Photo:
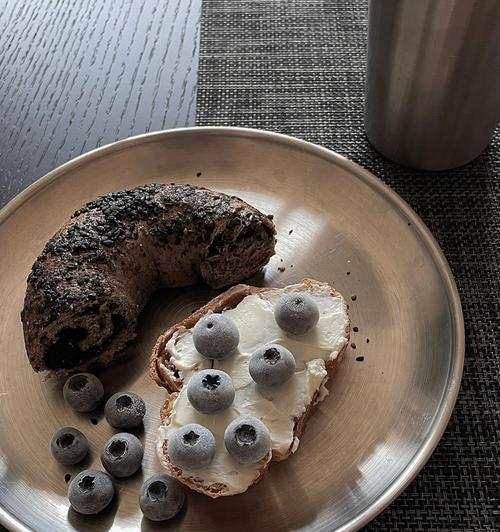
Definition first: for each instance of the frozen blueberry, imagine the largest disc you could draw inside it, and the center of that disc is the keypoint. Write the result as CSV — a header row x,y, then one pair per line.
x,y
210,391
247,439
191,447
90,491
296,313
83,392
271,364
216,336
124,410
69,446
161,497
122,455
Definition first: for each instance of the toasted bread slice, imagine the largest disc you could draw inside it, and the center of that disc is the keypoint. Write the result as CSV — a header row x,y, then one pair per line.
x,y
285,409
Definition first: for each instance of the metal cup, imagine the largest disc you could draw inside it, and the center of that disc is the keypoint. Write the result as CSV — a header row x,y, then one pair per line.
x,y
433,80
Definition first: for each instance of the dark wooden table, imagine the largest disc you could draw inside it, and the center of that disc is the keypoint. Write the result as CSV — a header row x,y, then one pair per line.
x,y
78,74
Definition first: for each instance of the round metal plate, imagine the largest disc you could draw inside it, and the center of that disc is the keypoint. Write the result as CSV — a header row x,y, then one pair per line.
x,y
389,403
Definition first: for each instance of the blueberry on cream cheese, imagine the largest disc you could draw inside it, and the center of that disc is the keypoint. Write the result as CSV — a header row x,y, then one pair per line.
x,y
271,364
210,391
216,336
296,313
191,447
247,440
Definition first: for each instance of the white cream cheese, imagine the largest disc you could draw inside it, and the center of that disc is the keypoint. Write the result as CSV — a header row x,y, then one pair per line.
x,y
278,406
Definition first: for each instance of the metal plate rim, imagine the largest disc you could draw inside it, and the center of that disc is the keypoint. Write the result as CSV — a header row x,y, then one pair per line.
x,y
448,401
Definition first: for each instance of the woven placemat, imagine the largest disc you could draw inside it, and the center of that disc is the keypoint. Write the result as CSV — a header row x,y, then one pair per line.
x,y
297,67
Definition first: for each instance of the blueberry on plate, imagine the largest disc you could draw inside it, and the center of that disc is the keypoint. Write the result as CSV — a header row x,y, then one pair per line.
x,y
83,392
161,497
210,391
124,410
191,447
122,455
296,313
90,491
247,440
216,336
69,446
271,364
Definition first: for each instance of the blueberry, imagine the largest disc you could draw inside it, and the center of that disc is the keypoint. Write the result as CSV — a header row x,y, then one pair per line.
x,y
69,446
124,410
216,336
83,392
191,447
90,491
210,391
161,497
296,313
247,439
122,455
271,364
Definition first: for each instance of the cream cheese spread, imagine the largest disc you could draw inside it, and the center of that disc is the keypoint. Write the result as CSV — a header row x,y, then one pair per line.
x,y
278,406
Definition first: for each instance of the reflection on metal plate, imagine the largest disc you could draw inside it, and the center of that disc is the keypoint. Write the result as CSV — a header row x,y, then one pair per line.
x,y
389,403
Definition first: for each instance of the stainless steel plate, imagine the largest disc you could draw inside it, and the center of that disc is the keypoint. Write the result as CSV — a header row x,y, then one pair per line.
x,y
337,223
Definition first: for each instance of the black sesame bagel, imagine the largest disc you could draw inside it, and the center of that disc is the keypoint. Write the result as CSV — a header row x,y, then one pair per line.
x,y
87,288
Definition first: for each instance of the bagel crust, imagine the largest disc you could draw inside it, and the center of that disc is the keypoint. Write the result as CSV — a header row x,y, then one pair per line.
x,y
88,286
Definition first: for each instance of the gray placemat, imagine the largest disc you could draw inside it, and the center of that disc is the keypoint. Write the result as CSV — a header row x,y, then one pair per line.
x,y
297,67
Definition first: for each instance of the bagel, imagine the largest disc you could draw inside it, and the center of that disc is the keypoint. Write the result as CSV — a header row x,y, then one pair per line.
x,y
88,286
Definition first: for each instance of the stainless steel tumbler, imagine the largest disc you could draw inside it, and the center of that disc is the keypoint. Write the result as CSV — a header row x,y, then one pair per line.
x,y
433,80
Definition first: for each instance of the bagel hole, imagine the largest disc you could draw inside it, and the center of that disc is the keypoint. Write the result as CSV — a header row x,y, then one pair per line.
x,y
190,438
157,490
245,435
65,441
210,382
118,448
124,401
87,483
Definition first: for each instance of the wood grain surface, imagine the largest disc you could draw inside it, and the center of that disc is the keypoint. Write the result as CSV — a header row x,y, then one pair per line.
x,y
78,74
